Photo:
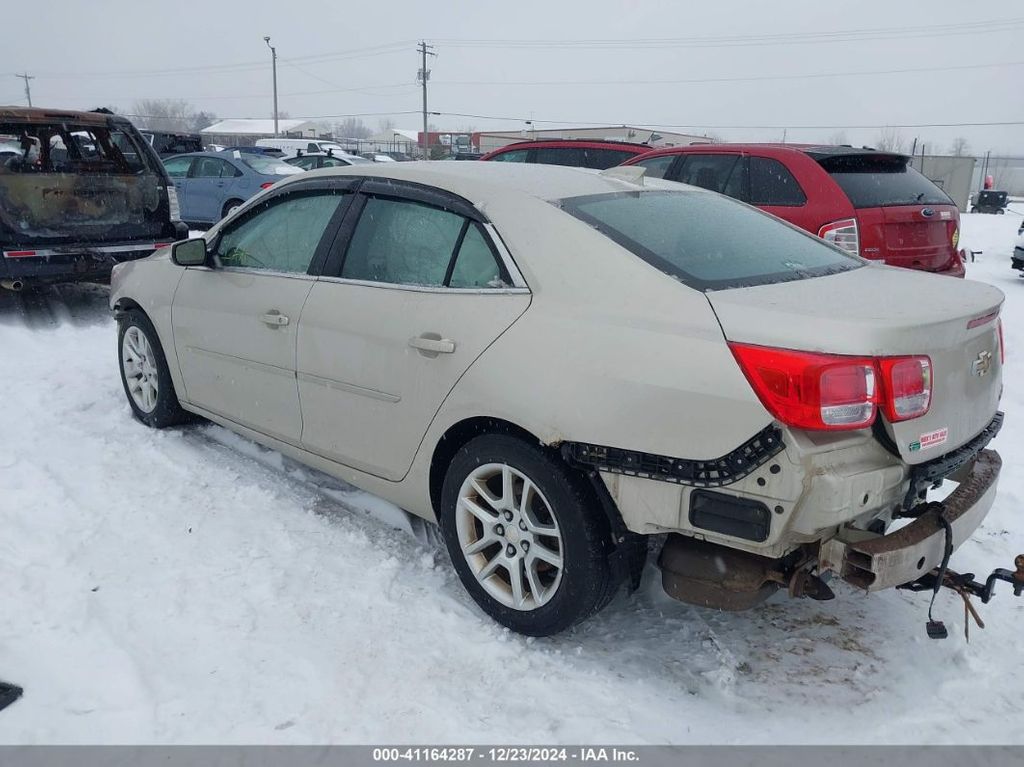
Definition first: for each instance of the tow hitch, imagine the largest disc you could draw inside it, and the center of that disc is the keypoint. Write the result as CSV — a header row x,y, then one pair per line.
x,y
965,585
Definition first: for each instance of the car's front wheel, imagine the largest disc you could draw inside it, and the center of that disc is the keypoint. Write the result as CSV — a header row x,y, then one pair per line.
x,y
526,535
144,373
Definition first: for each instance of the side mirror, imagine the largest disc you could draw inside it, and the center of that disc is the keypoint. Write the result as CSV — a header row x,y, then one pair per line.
x,y
189,252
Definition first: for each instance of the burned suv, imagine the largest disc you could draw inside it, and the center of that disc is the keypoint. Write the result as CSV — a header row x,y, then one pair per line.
x,y
79,192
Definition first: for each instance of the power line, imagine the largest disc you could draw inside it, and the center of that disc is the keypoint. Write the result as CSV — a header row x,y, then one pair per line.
x,y
730,79
797,38
734,127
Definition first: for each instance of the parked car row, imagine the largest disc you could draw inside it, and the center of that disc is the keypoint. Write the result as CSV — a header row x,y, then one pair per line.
x,y
866,202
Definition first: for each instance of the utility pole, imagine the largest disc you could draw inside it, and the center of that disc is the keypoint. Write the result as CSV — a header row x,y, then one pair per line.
x,y
424,75
28,89
273,60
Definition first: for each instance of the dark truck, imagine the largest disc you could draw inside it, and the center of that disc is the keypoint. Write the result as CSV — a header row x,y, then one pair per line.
x,y
79,192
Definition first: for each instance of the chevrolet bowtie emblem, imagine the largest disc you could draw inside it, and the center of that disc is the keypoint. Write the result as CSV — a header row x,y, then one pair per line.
x,y
981,365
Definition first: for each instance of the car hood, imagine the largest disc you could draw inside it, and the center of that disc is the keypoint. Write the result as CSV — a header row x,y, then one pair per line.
x,y
884,311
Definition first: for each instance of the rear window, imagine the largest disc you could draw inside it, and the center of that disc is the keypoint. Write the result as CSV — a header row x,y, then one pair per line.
x,y
707,241
268,165
877,182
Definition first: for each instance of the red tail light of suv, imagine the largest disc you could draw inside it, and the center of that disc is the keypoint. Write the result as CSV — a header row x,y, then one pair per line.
x,y
864,201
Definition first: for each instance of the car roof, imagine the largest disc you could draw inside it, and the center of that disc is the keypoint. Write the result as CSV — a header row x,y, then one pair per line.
x,y
27,115
813,150
484,182
573,142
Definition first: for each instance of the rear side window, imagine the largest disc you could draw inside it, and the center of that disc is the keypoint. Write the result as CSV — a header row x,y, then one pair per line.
x,y
657,167
771,183
475,265
708,171
600,159
879,181
571,156
707,241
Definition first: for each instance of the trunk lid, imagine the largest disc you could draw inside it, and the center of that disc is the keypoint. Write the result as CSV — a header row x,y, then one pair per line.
x,y
879,311
910,236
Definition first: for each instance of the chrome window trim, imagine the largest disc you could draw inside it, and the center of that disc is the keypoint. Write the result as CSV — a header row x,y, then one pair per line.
x,y
514,290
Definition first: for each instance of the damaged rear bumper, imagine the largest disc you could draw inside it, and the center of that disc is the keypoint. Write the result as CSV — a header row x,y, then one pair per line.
x,y
875,562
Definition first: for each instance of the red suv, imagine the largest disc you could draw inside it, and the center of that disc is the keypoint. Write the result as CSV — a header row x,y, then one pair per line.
x,y
866,202
577,153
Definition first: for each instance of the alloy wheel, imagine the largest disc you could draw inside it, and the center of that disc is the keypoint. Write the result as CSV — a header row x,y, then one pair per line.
x,y
509,536
140,370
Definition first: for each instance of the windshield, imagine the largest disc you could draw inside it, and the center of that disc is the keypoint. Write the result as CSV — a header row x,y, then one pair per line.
x,y
876,182
269,166
708,241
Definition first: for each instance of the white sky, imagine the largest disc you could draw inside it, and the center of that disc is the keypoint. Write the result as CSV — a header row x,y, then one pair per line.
x,y
115,52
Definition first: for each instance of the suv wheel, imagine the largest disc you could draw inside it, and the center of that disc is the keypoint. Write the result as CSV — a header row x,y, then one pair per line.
x,y
144,374
525,535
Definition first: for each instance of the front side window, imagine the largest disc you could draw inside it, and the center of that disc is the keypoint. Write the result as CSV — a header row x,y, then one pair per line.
x,y
708,171
707,241
402,242
771,183
177,167
516,155
280,236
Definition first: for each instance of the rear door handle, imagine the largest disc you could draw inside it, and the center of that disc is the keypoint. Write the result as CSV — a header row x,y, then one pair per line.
x,y
275,319
432,346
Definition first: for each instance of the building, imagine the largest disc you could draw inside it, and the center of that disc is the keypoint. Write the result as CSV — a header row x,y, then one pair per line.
x,y
243,132
490,140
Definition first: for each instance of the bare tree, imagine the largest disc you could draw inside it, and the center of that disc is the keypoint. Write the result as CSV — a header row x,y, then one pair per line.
x,y
385,125
960,147
352,127
838,138
890,139
164,114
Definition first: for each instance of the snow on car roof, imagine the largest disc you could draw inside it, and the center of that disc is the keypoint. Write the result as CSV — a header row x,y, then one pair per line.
x,y
481,182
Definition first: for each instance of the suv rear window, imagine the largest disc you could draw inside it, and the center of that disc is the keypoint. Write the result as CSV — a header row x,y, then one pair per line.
x,y
74,149
875,182
707,241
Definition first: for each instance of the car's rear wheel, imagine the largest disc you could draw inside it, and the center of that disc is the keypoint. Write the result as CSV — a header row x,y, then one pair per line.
x,y
230,207
526,535
145,375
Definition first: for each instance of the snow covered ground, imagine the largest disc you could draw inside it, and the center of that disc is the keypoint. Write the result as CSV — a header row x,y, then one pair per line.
x,y
187,586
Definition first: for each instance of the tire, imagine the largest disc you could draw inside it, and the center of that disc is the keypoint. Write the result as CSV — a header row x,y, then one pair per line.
x,y
974,209
550,599
229,206
1001,212
144,374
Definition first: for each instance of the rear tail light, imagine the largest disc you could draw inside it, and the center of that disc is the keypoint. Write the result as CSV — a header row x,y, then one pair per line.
x,y
811,391
843,234
266,185
172,203
907,384
830,392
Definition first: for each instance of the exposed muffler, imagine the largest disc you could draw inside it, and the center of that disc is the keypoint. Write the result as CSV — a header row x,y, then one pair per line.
x,y
15,285
709,575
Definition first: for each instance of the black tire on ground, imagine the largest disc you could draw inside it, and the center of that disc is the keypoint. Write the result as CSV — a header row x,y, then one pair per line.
x,y
167,411
229,205
588,582
974,209
1001,211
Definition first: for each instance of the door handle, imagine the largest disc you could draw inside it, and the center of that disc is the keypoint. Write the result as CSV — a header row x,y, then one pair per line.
x,y
275,319
431,347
